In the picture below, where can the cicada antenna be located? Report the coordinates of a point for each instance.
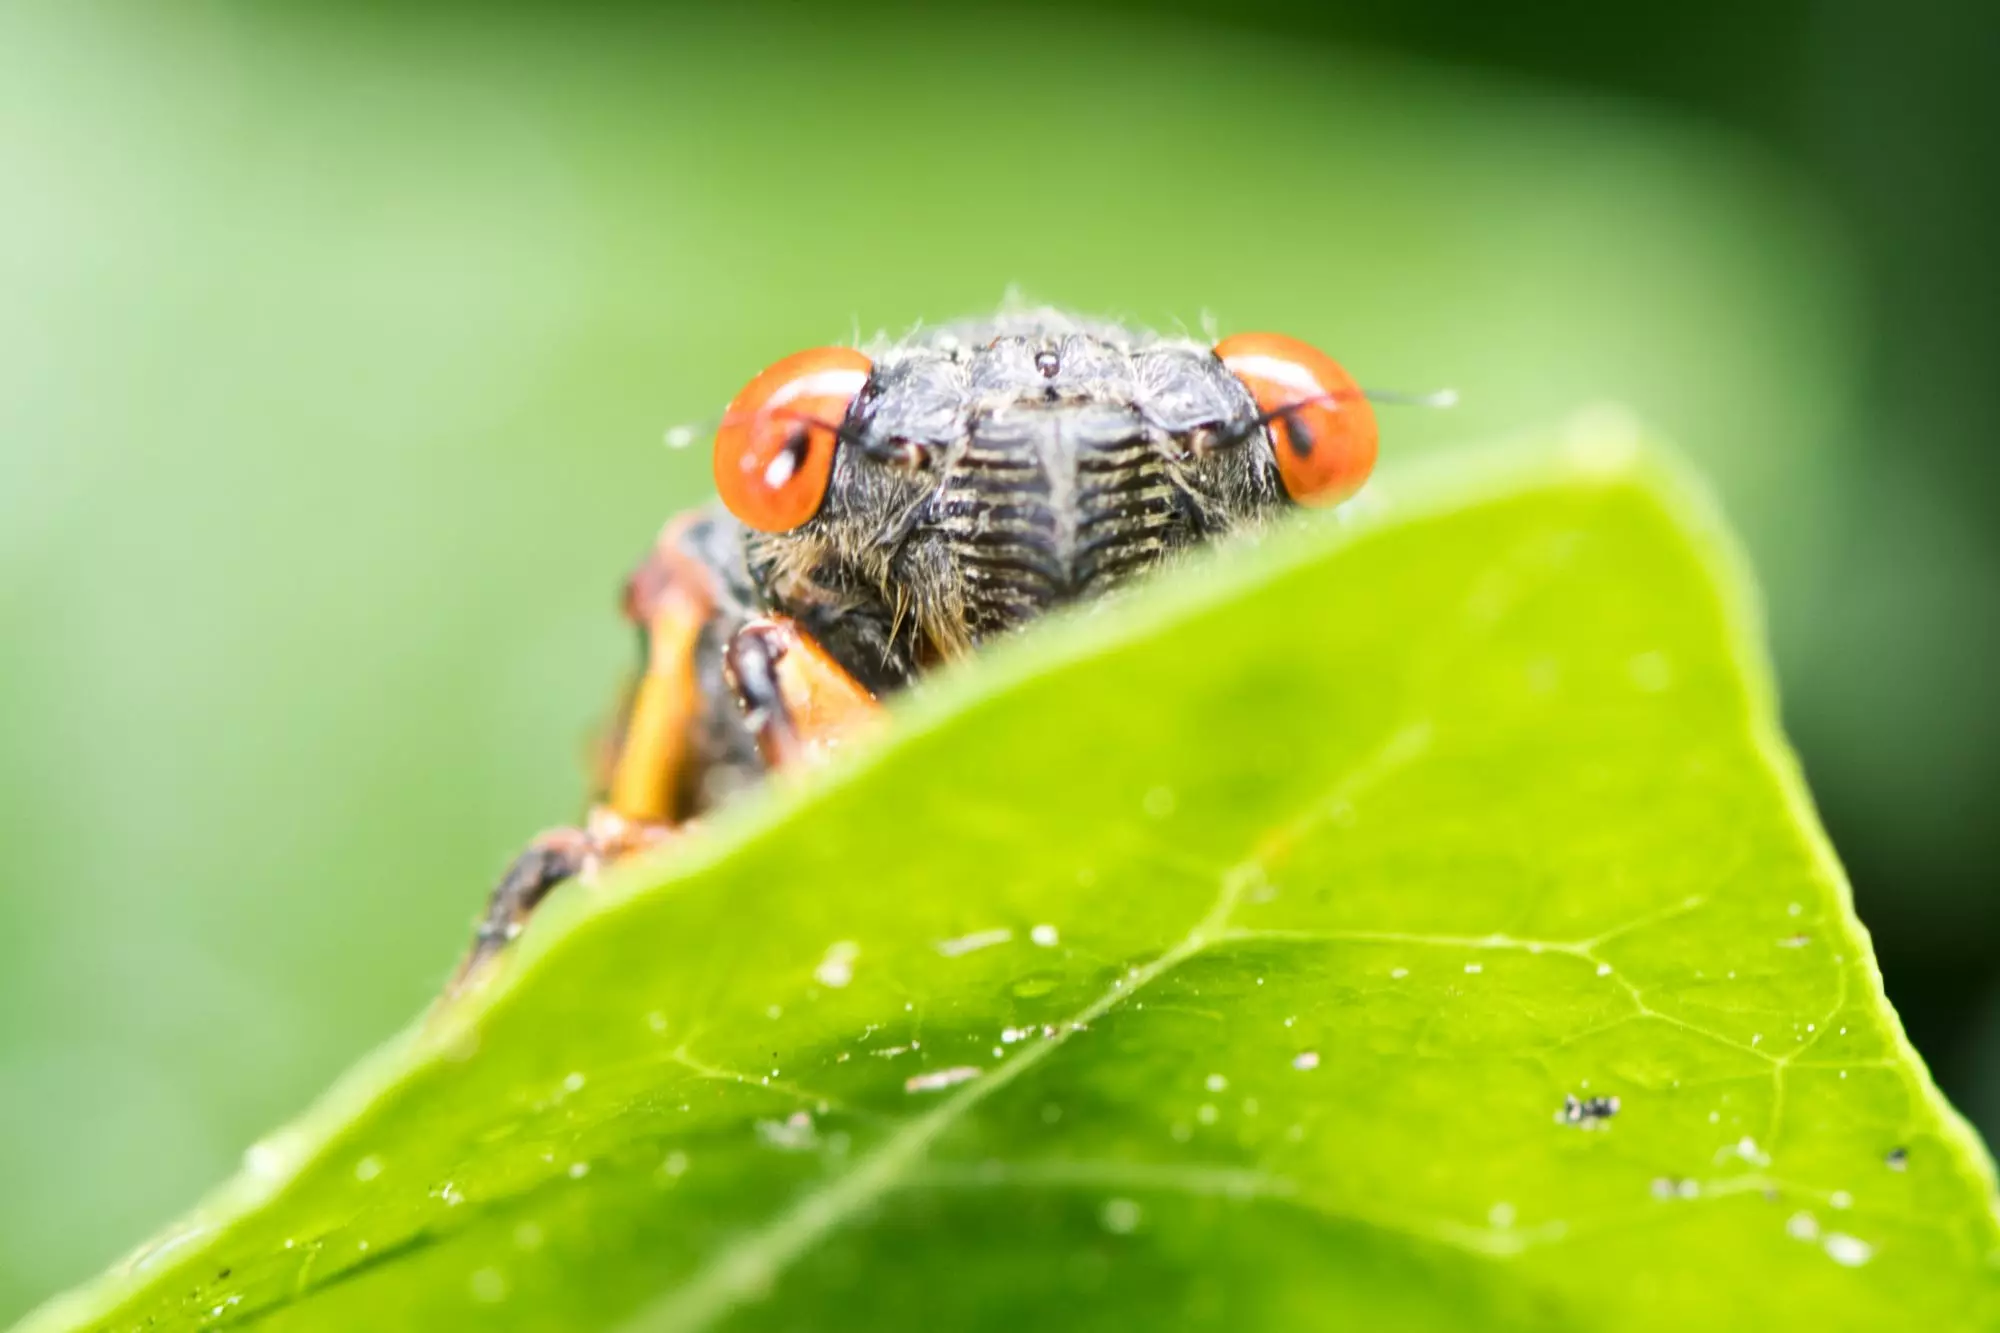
(1392, 397)
(1397, 398)
(685, 434)
(681, 436)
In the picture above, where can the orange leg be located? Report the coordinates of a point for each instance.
(642, 784)
(799, 703)
(670, 597)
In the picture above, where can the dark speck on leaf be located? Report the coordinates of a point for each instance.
(1586, 1112)
(1898, 1159)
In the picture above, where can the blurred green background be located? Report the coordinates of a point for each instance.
(337, 343)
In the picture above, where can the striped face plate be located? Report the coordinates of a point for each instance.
(1048, 502)
(1033, 460)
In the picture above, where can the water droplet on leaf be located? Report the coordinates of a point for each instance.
(1120, 1216)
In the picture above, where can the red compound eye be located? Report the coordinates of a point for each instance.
(774, 450)
(1321, 424)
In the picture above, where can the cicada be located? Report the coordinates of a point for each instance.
(883, 512)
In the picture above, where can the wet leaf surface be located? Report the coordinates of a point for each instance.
(1417, 922)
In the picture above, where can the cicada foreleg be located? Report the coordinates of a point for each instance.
(797, 701)
(645, 768)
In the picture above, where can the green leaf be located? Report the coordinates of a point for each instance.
(1225, 955)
